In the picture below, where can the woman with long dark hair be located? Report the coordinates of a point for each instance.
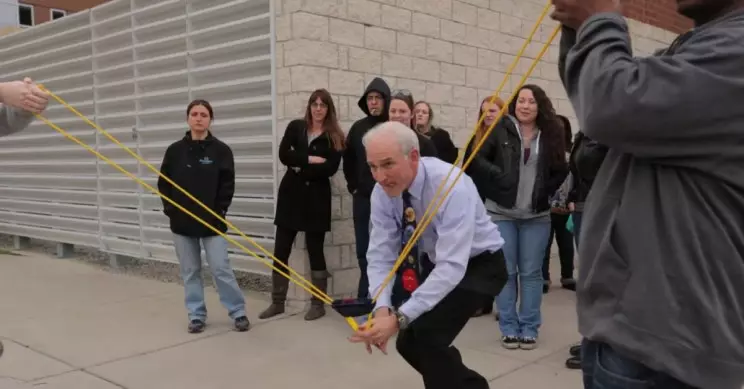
(524, 161)
(311, 149)
(204, 166)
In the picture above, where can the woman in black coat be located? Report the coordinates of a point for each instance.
(311, 149)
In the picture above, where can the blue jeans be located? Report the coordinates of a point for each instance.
(188, 250)
(524, 249)
(577, 227)
(605, 368)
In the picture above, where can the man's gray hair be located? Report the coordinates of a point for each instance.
(404, 135)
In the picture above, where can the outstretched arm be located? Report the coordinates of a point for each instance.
(650, 107)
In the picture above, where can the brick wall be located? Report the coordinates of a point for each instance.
(659, 13)
(451, 53)
(42, 8)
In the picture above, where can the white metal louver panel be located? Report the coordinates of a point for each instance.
(132, 66)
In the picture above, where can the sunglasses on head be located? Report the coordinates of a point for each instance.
(402, 93)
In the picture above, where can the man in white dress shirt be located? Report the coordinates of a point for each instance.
(465, 262)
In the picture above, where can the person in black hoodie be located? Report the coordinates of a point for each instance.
(375, 103)
(311, 149)
(203, 166)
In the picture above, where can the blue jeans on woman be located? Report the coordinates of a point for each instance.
(524, 249)
(188, 250)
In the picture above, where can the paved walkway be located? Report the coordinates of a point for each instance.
(69, 325)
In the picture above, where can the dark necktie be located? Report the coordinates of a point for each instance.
(410, 274)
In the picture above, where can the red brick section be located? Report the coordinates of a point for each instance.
(658, 13)
(42, 8)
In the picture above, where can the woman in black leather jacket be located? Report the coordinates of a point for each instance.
(524, 162)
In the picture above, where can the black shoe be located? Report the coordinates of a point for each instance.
(568, 283)
(575, 351)
(196, 326)
(242, 324)
(573, 363)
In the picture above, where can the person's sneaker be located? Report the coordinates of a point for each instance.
(528, 343)
(242, 324)
(575, 350)
(510, 342)
(196, 326)
(573, 363)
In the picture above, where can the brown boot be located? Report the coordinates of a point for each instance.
(317, 307)
(280, 286)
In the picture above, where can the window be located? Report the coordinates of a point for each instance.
(25, 15)
(55, 14)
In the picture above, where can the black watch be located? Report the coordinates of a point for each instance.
(402, 320)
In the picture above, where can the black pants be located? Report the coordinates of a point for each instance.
(427, 344)
(361, 208)
(565, 241)
(313, 240)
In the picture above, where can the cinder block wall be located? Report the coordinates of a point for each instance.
(451, 53)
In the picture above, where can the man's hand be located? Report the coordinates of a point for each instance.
(377, 331)
(315, 159)
(24, 95)
(573, 13)
(571, 207)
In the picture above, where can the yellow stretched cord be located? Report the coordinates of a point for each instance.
(509, 70)
(320, 296)
(192, 198)
(428, 216)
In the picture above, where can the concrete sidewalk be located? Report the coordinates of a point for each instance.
(69, 325)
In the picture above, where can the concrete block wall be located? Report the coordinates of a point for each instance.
(451, 53)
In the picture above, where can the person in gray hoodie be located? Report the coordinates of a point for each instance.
(19, 100)
(661, 273)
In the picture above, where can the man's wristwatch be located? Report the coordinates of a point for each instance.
(402, 320)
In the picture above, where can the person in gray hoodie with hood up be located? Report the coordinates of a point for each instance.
(661, 273)
(19, 100)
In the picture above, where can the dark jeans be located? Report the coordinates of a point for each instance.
(361, 209)
(313, 240)
(565, 241)
(427, 344)
(605, 368)
(577, 226)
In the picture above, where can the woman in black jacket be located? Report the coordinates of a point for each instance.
(311, 149)
(203, 166)
(524, 162)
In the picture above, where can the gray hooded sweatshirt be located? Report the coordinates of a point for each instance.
(13, 120)
(661, 272)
